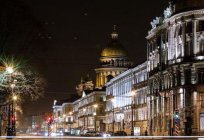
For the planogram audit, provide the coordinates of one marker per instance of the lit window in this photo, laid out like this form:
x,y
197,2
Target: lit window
x,y
202,121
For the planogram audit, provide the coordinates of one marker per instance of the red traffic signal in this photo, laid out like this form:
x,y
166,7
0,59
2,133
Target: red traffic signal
x,y
49,120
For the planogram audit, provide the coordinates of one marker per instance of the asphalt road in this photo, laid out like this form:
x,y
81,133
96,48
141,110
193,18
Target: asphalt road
x,y
101,138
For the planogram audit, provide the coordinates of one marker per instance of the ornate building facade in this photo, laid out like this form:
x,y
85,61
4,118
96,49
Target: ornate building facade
x,y
88,112
80,114
175,69
113,61
126,101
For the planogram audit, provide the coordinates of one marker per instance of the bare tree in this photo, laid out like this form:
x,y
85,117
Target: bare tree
x,y
23,81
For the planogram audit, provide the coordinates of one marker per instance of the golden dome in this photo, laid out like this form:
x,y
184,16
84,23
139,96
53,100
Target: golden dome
x,y
114,48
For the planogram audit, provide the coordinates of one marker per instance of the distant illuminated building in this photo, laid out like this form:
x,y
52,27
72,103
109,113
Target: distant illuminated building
x,y
113,61
126,104
85,85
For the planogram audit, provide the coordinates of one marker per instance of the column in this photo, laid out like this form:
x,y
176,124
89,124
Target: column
x,y
183,38
169,43
195,49
97,80
105,76
100,79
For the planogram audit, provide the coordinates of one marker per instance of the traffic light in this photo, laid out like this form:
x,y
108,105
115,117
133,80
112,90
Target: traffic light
x,y
49,120
176,114
177,122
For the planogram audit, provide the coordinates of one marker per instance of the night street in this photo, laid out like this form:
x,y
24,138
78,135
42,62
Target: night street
x,y
102,69
101,138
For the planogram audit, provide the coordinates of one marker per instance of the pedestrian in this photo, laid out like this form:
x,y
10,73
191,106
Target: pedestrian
x,y
145,132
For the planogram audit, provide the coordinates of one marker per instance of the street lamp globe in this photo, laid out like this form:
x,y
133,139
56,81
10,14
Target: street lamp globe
x,y
15,97
132,93
12,86
113,100
9,70
95,106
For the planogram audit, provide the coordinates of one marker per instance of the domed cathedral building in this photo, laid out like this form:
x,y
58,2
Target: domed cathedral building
x,y
176,70
113,61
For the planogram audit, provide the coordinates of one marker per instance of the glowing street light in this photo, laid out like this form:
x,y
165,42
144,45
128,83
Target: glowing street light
x,y
70,113
96,105
15,97
12,86
132,93
10,70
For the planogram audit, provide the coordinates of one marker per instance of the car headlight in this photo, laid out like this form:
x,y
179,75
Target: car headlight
x,y
104,135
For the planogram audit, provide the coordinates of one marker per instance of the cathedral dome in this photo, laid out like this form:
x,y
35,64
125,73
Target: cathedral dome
x,y
114,47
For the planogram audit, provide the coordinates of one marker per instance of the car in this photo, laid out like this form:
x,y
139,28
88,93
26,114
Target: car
x,y
120,133
107,134
91,134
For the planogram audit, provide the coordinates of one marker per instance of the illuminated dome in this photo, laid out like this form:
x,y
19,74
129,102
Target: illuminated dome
x,y
114,48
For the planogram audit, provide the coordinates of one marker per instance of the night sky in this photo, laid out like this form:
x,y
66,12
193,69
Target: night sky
x,y
80,29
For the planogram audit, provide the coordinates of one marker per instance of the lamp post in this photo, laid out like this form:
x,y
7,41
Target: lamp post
x,y
11,117
64,122
71,121
113,120
132,112
14,99
84,110
95,106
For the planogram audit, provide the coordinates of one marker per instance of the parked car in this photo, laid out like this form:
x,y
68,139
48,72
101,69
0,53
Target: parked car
x,y
91,134
107,134
83,132
120,133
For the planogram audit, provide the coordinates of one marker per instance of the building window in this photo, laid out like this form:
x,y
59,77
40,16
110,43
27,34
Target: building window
x,y
200,76
189,27
202,121
202,100
187,74
201,47
201,26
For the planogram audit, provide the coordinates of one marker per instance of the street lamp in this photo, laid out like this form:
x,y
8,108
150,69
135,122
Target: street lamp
x,y
11,116
94,120
15,97
84,110
10,70
113,121
95,106
71,121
